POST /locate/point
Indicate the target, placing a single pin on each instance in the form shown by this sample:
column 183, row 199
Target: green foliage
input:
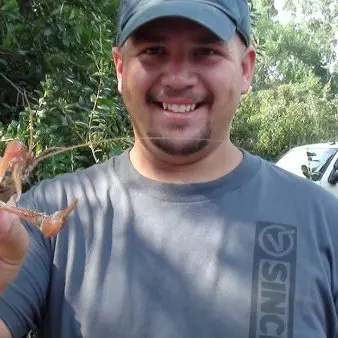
column 271, row 121
column 294, row 94
column 69, row 90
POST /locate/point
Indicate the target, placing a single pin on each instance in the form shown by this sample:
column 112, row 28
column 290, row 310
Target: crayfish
column 18, row 162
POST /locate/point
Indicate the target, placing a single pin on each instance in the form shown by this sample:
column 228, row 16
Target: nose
column 178, row 74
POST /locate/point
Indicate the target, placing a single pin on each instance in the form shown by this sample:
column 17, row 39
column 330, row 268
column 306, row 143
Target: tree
column 294, row 94
column 57, row 79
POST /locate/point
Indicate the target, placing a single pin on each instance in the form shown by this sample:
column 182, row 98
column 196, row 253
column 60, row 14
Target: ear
column 118, row 61
column 248, row 68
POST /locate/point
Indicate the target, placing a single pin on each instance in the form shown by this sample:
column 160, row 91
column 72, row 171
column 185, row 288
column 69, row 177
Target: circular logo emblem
column 276, row 240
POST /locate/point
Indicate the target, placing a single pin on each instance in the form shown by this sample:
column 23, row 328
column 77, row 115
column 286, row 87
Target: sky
column 284, row 16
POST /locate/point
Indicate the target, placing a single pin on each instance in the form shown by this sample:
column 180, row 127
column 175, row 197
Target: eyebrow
column 208, row 39
column 153, row 37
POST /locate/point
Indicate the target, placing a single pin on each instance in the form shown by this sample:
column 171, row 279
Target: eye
column 205, row 51
column 154, row 51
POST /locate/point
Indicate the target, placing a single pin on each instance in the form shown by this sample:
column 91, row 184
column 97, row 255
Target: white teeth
column 179, row 108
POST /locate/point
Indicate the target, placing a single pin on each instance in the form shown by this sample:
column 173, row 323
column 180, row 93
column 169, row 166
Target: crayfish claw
column 49, row 225
column 52, row 224
column 17, row 178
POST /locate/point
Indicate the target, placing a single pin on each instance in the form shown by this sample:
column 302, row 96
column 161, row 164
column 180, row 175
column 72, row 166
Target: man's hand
column 14, row 242
column 4, row 332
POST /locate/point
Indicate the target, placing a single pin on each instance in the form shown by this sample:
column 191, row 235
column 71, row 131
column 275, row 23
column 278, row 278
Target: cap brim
column 202, row 13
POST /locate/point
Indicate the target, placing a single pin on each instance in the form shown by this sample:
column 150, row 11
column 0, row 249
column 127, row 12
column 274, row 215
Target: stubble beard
column 180, row 147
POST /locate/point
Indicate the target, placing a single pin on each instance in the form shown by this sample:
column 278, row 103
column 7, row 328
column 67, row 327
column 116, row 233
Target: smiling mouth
column 178, row 108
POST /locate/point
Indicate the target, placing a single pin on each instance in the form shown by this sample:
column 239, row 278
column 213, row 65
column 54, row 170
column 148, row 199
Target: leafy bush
column 63, row 89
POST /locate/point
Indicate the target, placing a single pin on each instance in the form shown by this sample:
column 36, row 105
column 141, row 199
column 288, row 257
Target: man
column 184, row 235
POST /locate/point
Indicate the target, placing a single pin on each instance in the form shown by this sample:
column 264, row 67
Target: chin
column 180, row 149
column 181, row 146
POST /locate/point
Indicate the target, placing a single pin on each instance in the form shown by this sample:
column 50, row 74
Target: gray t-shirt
column 250, row 255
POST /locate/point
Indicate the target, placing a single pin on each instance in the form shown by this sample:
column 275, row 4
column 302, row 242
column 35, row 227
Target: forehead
column 166, row 28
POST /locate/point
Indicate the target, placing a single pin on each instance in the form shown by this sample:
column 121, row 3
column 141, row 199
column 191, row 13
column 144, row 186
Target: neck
column 211, row 166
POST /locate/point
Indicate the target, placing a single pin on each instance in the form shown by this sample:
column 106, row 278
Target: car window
column 314, row 158
column 293, row 160
column 318, row 160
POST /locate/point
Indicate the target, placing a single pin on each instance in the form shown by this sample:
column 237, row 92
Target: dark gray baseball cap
column 222, row 17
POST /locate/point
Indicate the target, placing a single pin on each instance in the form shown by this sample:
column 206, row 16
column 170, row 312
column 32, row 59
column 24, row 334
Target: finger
column 3, row 167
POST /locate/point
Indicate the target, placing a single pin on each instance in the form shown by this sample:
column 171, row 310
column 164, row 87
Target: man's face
column 181, row 85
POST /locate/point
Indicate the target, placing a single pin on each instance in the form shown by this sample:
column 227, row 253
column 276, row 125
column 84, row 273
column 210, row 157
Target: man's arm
column 4, row 332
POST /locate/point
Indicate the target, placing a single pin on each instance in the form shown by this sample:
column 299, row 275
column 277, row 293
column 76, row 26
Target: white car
column 317, row 162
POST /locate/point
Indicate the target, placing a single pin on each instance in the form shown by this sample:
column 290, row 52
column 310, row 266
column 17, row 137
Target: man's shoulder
column 91, row 172
column 95, row 171
column 84, row 181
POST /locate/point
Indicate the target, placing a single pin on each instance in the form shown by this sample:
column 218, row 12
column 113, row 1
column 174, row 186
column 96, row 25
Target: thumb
column 14, row 242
